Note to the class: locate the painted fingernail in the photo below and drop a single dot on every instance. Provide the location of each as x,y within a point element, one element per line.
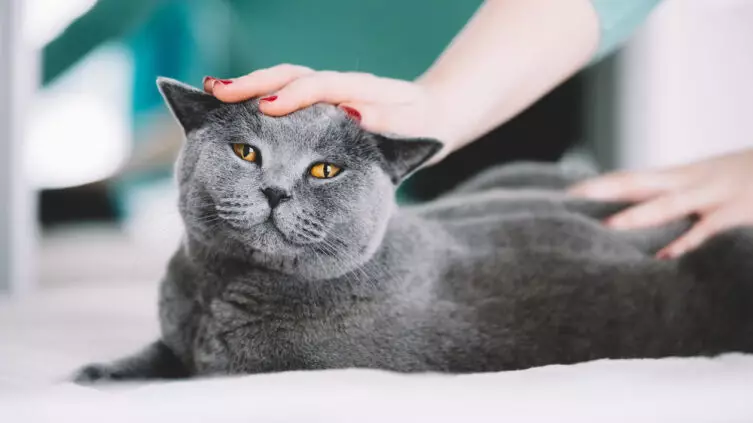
<point>353,113</point>
<point>663,255</point>
<point>212,80</point>
<point>208,80</point>
<point>270,99</point>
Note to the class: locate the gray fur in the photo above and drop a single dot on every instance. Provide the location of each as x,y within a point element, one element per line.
<point>505,272</point>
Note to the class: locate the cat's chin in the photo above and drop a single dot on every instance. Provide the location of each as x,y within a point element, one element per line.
<point>271,251</point>
<point>271,239</point>
<point>280,244</point>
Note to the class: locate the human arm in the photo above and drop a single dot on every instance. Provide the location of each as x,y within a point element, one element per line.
<point>484,77</point>
<point>509,54</point>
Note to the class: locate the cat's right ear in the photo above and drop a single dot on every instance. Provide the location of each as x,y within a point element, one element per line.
<point>188,104</point>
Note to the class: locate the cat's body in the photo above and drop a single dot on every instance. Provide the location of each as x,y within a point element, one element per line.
<point>505,272</point>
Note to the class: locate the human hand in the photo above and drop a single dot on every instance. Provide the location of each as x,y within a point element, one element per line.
<point>382,105</point>
<point>719,191</point>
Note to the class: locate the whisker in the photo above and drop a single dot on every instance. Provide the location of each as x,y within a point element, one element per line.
<point>308,232</point>
<point>315,225</point>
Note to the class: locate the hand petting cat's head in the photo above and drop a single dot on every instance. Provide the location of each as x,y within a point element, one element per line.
<point>309,193</point>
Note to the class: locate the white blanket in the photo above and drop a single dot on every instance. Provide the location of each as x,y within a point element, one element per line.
<point>668,390</point>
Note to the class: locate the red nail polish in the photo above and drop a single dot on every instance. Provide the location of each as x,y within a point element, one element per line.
<point>353,113</point>
<point>225,81</point>
<point>663,255</point>
<point>270,99</point>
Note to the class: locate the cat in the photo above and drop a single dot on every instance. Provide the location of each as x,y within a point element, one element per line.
<point>296,256</point>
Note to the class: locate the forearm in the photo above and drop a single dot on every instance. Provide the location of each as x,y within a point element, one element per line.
<point>510,54</point>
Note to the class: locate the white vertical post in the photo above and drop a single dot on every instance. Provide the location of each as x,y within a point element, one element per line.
<point>686,84</point>
<point>18,81</point>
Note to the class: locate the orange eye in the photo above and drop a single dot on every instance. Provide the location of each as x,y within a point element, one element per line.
<point>324,170</point>
<point>245,152</point>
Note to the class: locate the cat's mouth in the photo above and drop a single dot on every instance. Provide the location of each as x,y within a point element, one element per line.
<point>295,235</point>
<point>271,223</point>
<point>269,227</point>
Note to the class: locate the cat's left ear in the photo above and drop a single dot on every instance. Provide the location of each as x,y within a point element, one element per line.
<point>403,156</point>
<point>188,104</point>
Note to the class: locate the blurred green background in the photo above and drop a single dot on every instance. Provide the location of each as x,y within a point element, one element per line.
<point>188,39</point>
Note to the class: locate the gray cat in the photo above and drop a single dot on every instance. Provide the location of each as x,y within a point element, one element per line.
<point>296,257</point>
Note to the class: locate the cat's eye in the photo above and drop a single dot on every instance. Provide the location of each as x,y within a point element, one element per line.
<point>245,152</point>
<point>324,170</point>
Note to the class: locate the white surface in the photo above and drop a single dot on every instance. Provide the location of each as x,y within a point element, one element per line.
<point>46,19</point>
<point>110,310</point>
<point>685,85</point>
<point>690,390</point>
<point>87,110</point>
<point>19,72</point>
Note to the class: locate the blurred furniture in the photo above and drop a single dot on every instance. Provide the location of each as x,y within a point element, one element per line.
<point>17,212</point>
<point>680,91</point>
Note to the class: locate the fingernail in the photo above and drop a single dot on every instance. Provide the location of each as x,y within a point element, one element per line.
<point>270,99</point>
<point>214,80</point>
<point>208,80</point>
<point>663,255</point>
<point>353,113</point>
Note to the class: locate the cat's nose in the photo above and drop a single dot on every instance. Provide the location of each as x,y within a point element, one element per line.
<point>275,195</point>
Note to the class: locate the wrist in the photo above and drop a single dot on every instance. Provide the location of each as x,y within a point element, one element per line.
<point>439,120</point>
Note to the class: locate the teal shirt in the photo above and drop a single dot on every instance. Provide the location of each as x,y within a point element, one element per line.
<point>387,37</point>
<point>618,19</point>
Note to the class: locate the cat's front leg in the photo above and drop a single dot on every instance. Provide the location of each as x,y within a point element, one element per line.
<point>156,361</point>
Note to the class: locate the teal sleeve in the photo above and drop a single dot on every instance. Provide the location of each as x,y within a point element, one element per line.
<point>618,19</point>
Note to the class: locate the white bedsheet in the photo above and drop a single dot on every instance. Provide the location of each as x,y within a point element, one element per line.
<point>668,390</point>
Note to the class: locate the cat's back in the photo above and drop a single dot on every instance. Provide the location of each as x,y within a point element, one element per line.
<point>482,225</point>
<point>497,214</point>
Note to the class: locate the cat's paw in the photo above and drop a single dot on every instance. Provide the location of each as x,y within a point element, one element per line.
<point>97,373</point>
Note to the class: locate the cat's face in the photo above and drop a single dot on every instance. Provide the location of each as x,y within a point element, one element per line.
<point>309,193</point>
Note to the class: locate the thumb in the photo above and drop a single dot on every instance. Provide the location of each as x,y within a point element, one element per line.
<point>393,119</point>
<point>371,117</point>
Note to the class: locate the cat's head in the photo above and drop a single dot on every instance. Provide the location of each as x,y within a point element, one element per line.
<point>309,193</point>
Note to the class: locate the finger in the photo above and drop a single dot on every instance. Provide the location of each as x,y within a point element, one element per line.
<point>209,82</point>
<point>627,186</point>
<point>377,117</point>
<point>257,83</point>
<point>396,119</point>
<point>334,88</point>
<point>699,233</point>
<point>663,209</point>
<point>721,219</point>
